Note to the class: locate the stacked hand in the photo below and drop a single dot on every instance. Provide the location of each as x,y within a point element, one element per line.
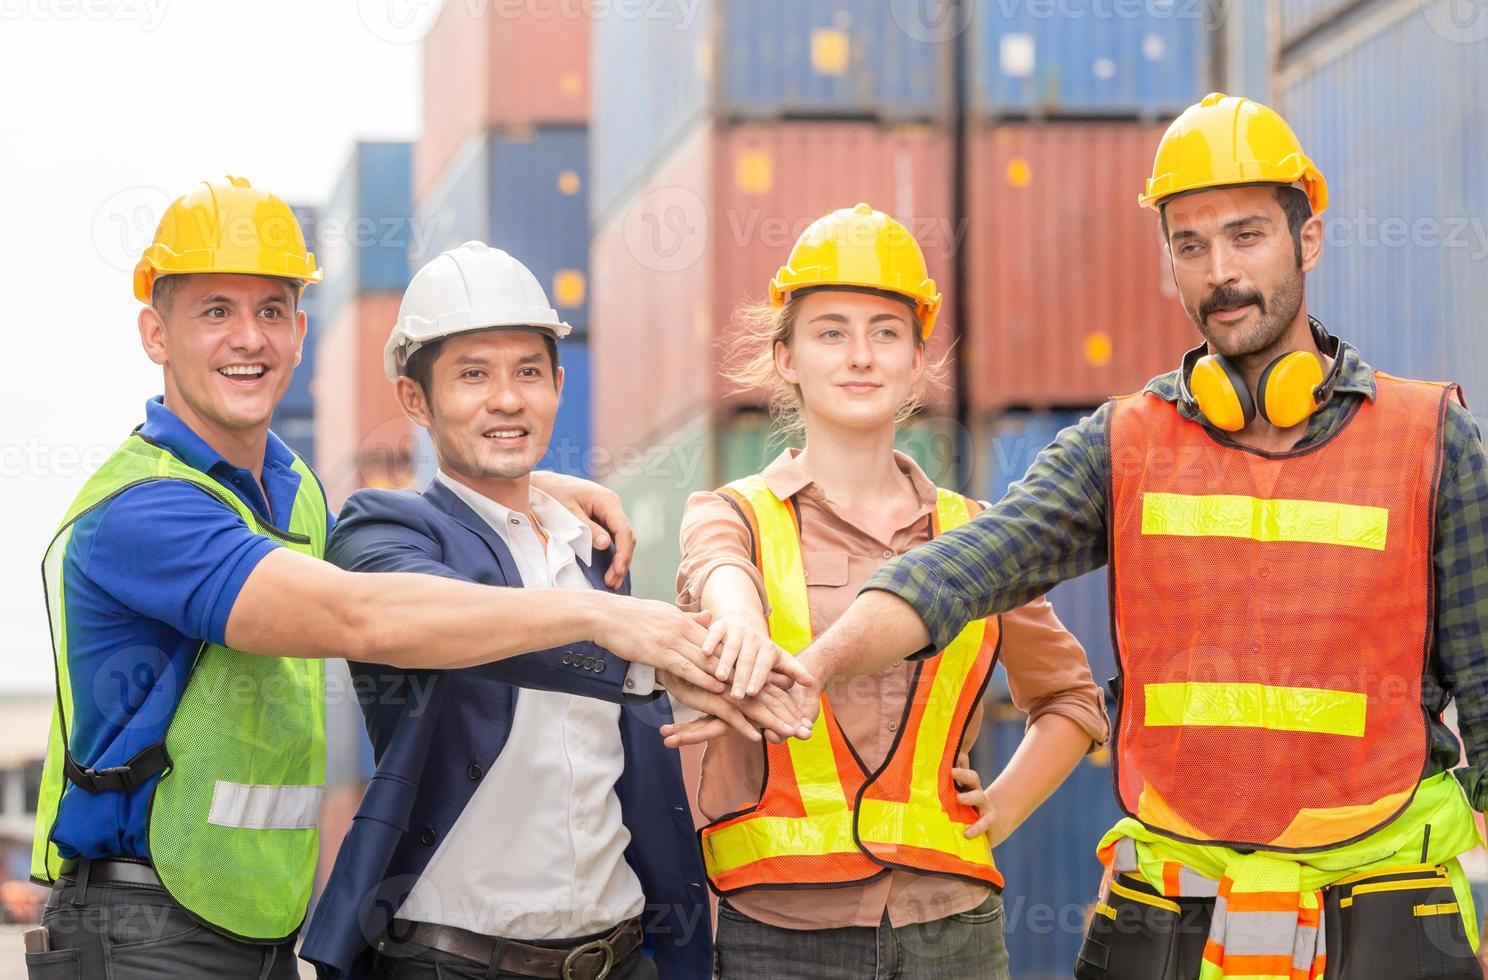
<point>734,675</point>
<point>766,685</point>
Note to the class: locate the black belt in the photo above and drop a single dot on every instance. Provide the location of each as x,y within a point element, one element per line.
<point>82,872</point>
<point>585,960</point>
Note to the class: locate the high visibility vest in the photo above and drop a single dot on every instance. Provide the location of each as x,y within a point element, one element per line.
<point>234,817</point>
<point>823,819</point>
<point>1272,615</point>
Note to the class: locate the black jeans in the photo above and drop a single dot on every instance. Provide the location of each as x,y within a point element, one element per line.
<point>136,932</point>
<point>966,946</point>
<point>431,964</point>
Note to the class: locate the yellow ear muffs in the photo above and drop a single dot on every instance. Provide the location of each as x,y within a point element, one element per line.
<point>1287,391</point>
<point>1221,393</point>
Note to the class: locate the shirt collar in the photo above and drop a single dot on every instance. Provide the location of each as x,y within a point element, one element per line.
<point>1356,377</point>
<point>786,476</point>
<point>556,520</point>
<point>165,428</point>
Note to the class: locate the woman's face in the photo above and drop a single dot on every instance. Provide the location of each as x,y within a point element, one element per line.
<point>854,357</point>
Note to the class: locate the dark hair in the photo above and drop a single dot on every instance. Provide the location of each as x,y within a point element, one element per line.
<point>163,291</point>
<point>420,364</point>
<point>1294,204</point>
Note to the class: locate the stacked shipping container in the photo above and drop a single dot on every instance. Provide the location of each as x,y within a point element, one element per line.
<point>1391,101</point>
<point>719,134</point>
<point>294,418</point>
<point>361,435</point>
<point>504,159</point>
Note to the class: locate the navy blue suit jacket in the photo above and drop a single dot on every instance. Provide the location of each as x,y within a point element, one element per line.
<point>432,751</point>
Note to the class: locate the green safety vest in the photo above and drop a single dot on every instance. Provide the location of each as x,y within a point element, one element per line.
<point>234,818</point>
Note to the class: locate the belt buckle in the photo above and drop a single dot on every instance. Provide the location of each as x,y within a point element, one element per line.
<point>593,946</point>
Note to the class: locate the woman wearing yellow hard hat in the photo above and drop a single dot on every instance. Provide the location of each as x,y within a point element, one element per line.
<point>873,838</point>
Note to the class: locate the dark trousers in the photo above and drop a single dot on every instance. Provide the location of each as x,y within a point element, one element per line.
<point>417,962</point>
<point>966,946</point>
<point>137,932</point>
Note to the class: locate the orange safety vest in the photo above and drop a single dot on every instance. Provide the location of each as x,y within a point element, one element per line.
<point>823,819</point>
<point>1272,615</point>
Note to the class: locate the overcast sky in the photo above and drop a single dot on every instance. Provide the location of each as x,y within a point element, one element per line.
<point>108,109</point>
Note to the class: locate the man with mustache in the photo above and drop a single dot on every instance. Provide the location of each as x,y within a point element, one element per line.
<point>1296,544</point>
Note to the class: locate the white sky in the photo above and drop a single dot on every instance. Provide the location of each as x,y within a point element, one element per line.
<point>109,109</point>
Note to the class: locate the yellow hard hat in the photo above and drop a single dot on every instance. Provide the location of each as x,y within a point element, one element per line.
<point>1226,140</point>
<point>226,226</point>
<point>859,246</point>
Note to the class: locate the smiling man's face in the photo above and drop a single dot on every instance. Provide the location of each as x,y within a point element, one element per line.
<point>229,344</point>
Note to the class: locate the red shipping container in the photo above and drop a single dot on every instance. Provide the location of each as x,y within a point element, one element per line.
<point>498,64</point>
<point>1071,298</point>
<point>711,228</point>
<point>362,437</point>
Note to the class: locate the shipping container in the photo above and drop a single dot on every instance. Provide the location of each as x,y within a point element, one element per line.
<point>495,64</point>
<point>1146,60</point>
<point>1070,297</point>
<point>710,230</point>
<point>1298,18</point>
<point>362,437</point>
<point>571,450</point>
<point>298,399</point>
<point>523,190</point>
<point>1053,876</point>
<point>1246,43</point>
<point>654,483</point>
<point>1010,443</point>
<point>365,232</point>
<point>1394,111</point>
<point>738,60</point>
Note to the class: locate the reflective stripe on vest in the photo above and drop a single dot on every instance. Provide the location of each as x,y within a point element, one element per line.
<point>1271,615</point>
<point>821,819</point>
<point>233,821</point>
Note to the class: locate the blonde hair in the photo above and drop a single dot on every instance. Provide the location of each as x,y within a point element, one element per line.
<point>750,359</point>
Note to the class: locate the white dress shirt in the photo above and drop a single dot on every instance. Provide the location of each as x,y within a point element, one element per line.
<point>539,851</point>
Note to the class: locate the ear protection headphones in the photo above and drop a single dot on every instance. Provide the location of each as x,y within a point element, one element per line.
<point>1290,389</point>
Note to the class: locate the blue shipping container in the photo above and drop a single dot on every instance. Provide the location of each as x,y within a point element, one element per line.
<point>1298,17</point>
<point>1149,59</point>
<point>366,231</point>
<point>1082,603</point>
<point>1052,873</point>
<point>758,59</point>
<point>1397,121</point>
<point>297,398</point>
<point>526,192</point>
<point>571,448</point>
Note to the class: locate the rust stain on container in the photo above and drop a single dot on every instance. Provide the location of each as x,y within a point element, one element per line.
<point>1070,298</point>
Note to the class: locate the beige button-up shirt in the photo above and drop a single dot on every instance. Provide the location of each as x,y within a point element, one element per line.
<point>1046,669</point>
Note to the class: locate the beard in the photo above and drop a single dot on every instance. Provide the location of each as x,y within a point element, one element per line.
<point>1278,312</point>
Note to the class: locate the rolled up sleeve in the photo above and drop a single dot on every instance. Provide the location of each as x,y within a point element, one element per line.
<point>1047,671</point>
<point>714,535</point>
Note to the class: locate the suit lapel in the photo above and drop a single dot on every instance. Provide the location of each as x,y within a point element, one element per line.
<point>458,511</point>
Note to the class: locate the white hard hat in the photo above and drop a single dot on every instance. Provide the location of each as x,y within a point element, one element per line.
<point>471,287</point>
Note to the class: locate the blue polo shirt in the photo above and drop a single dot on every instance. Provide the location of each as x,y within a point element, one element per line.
<point>148,577</point>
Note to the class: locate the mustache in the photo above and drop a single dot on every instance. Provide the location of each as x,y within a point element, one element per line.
<point>1229,298</point>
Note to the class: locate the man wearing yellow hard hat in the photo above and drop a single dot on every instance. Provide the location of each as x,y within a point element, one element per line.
<point>1296,544</point>
<point>191,613</point>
